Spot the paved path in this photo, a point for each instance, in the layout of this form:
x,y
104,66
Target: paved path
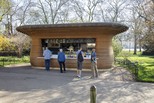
x,y
27,85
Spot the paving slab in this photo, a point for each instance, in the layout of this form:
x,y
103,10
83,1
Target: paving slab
x,y
24,84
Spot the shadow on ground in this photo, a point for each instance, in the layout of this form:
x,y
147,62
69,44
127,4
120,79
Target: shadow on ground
x,y
28,85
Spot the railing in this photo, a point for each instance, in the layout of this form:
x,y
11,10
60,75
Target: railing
x,y
6,61
132,66
12,60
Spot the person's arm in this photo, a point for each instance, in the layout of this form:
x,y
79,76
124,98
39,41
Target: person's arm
x,y
82,54
64,57
95,59
77,54
43,53
58,57
92,56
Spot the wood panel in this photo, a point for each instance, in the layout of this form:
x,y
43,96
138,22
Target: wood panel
x,y
103,32
103,49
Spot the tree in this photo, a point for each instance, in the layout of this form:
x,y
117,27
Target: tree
x,y
22,11
21,41
146,13
113,10
5,44
117,47
85,11
5,7
51,10
136,29
18,15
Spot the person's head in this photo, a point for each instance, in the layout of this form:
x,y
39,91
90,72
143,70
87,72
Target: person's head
x,y
93,50
46,48
80,48
61,50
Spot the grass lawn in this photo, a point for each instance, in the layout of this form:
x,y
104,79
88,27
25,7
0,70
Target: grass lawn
x,y
8,60
146,64
147,72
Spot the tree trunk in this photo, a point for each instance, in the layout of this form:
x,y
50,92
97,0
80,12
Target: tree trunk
x,y
140,45
20,52
135,44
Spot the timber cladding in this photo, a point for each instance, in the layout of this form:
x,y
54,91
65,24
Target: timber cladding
x,y
102,32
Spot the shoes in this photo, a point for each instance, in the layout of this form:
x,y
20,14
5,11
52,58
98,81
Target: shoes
x,y
78,76
63,71
91,77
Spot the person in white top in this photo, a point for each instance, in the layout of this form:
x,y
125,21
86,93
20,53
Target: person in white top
x,y
47,56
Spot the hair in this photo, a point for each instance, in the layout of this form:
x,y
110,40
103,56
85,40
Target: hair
x,y
60,49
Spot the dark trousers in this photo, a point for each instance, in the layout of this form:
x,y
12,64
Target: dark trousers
x,y
79,65
62,64
47,64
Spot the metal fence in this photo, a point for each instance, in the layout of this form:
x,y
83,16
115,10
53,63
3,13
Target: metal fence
x,y
132,66
5,61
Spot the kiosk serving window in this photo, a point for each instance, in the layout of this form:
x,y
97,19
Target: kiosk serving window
x,y
69,44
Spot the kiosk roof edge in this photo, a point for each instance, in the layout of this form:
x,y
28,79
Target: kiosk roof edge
x,y
95,24
113,26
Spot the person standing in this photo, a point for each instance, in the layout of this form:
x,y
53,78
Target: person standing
x,y
80,59
47,56
94,64
61,60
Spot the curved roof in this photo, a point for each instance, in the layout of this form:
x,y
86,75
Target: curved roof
x,y
118,28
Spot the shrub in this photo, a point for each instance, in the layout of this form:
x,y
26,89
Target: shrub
x,y
5,44
117,47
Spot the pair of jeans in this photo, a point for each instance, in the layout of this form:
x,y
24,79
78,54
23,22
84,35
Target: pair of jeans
x,y
62,64
47,64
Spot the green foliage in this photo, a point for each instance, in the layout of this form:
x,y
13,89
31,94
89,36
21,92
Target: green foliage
x,y
117,48
5,44
145,65
148,44
5,7
146,72
125,55
8,60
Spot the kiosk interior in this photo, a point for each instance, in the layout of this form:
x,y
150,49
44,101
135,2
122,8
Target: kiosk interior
x,y
70,46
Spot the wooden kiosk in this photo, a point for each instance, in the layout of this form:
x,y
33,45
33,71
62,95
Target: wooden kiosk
x,y
70,37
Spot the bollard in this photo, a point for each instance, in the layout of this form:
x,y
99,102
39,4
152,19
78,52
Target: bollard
x,y
93,93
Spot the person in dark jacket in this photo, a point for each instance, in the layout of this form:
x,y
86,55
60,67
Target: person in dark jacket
x,y
61,60
80,60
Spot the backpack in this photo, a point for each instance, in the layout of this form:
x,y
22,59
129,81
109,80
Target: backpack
x,y
80,57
